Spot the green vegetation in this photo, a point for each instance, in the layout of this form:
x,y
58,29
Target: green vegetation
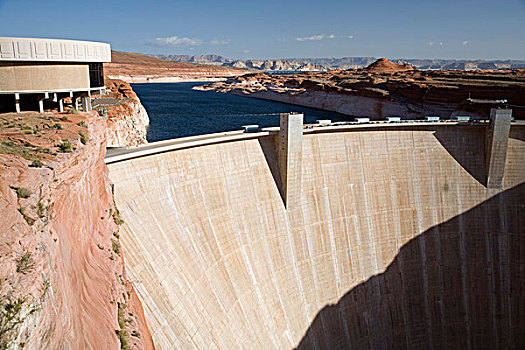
x,y
22,192
116,216
82,123
40,210
73,110
65,146
115,246
29,220
36,164
135,334
20,150
9,319
57,126
83,137
122,333
64,118
25,263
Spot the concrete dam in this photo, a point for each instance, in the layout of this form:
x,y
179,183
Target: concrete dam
x,y
373,236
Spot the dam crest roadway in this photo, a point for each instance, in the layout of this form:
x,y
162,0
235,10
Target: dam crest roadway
x,y
363,236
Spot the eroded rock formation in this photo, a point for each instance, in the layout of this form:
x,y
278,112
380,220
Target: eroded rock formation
x,y
128,121
63,284
386,89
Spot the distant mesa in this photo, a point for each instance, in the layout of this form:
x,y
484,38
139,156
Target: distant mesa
x,y
383,65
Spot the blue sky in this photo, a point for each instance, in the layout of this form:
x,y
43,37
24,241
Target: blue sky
x,y
461,29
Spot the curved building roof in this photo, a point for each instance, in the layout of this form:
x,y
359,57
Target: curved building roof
x,y
53,50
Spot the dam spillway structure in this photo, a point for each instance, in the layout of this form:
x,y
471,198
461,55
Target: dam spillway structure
x,y
396,236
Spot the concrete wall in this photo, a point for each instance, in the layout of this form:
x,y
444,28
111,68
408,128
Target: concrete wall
x,y
20,77
53,50
396,243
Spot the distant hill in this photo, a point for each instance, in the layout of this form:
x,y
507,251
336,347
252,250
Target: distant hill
x,y
135,68
323,64
119,57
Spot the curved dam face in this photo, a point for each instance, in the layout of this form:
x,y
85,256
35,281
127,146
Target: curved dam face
x,y
394,241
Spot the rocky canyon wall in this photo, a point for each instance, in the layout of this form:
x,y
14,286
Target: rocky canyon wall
x,y
363,106
63,284
128,121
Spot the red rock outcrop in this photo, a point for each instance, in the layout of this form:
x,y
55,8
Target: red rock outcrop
x,y
127,121
63,284
383,65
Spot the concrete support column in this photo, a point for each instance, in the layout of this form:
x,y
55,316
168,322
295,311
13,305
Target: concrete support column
x,y
290,157
17,102
74,99
41,103
496,150
61,105
86,103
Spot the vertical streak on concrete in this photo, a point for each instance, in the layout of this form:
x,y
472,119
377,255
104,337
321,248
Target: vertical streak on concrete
x,y
496,150
490,277
290,157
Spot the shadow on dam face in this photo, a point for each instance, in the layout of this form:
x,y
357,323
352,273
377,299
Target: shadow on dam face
x,y
395,243
464,147
458,285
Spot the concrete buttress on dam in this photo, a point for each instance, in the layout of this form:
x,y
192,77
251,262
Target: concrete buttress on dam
x,y
388,237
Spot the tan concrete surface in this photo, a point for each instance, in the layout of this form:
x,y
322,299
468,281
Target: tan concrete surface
x,y
21,77
396,243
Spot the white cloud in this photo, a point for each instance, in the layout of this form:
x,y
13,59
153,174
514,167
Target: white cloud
x,y
246,51
316,37
320,37
432,43
175,41
220,42
465,43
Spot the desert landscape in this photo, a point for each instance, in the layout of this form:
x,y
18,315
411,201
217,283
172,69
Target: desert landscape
x,y
387,89
139,68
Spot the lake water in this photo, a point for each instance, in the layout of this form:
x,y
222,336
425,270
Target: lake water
x,y
175,110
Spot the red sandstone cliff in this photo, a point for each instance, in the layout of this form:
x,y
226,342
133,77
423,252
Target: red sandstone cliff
x,y
63,283
128,121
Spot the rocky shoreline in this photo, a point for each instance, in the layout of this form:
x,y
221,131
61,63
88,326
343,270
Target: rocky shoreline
x,y
385,89
145,79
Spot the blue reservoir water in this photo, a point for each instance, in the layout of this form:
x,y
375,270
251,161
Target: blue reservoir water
x,y
175,110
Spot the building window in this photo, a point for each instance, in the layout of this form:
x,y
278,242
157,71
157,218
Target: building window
x,y
96,75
